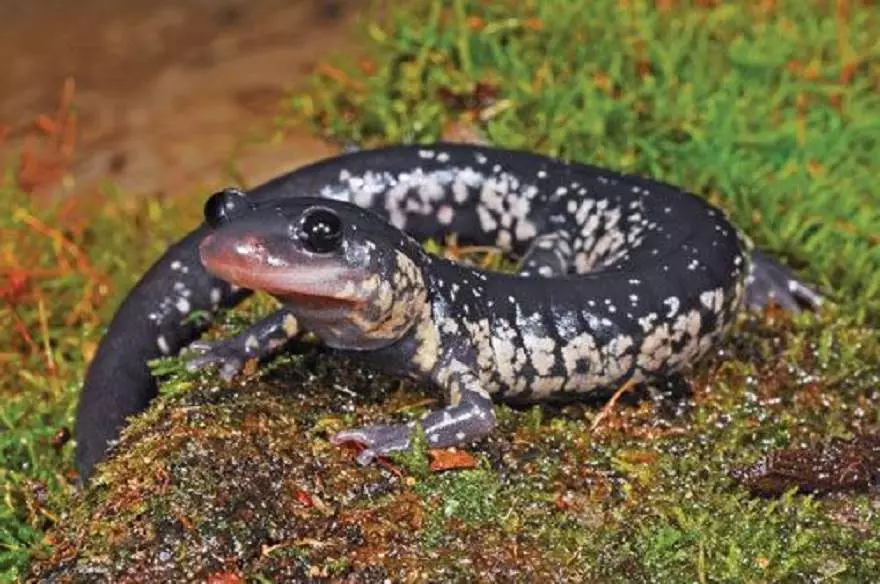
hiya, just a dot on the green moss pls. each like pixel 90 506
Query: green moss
pixel 773 541
pixel 470 496
pixel 63 268
pixel 231 470
pixel 415 459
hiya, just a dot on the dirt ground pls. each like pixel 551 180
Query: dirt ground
pixel 157 95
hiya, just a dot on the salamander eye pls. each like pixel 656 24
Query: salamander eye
pixel 320 229
pixel 225 205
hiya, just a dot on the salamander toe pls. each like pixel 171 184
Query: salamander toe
pixel 769 280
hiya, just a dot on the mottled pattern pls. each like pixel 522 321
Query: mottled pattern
pixel 662 271
pixel 622 277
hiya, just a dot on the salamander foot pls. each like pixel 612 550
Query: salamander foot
pixel 769 279
pixel 225 353
pixel 470 416
pixel 379 440
pixel 262 341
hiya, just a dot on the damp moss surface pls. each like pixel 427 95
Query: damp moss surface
pixel 769 109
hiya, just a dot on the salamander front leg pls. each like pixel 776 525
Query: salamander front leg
pixel 262 340
pixel 468 417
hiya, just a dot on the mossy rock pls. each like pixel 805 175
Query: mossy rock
pixel 238 480
pixel 230 478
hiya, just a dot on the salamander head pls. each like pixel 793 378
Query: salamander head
pixel 348 276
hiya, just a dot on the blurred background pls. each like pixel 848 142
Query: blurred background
pixel 156 95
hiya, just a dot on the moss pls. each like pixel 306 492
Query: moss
pixel 415 459
pixel 243 471
pixel 469 496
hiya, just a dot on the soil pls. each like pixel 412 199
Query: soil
pixel 158 96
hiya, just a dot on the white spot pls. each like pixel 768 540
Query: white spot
pixel 673 303
pixel 712 299
pixel 445 214
pixel 647 322
pixel 503 239
pixel 487 222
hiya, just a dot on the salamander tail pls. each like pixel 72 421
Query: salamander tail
pixel 157 318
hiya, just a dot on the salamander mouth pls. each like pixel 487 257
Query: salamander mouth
pixel 313 301
pixel 291 276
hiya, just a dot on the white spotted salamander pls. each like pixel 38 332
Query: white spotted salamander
pixel 622 278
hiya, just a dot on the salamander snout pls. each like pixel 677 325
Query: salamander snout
pixel 265 251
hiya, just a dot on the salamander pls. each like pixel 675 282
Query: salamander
pixel 621 277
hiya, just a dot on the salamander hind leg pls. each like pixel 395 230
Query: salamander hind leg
pixel 769 280
pixel 262 340
pixel 468 417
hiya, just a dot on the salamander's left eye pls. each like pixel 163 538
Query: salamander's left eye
pixel 225 205
pixel 320 229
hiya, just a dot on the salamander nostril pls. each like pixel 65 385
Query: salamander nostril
pixel 225 205
pixel 320 229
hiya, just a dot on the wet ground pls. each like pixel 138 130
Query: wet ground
pixel 158 96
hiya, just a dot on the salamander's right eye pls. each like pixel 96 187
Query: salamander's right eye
pixel 320 229
pixel 225 205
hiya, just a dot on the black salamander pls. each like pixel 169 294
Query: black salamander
pixel 622 278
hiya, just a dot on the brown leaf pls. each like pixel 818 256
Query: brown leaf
pixel 224 578
pixel 838 465
pixel 450 459
pixel 304 498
